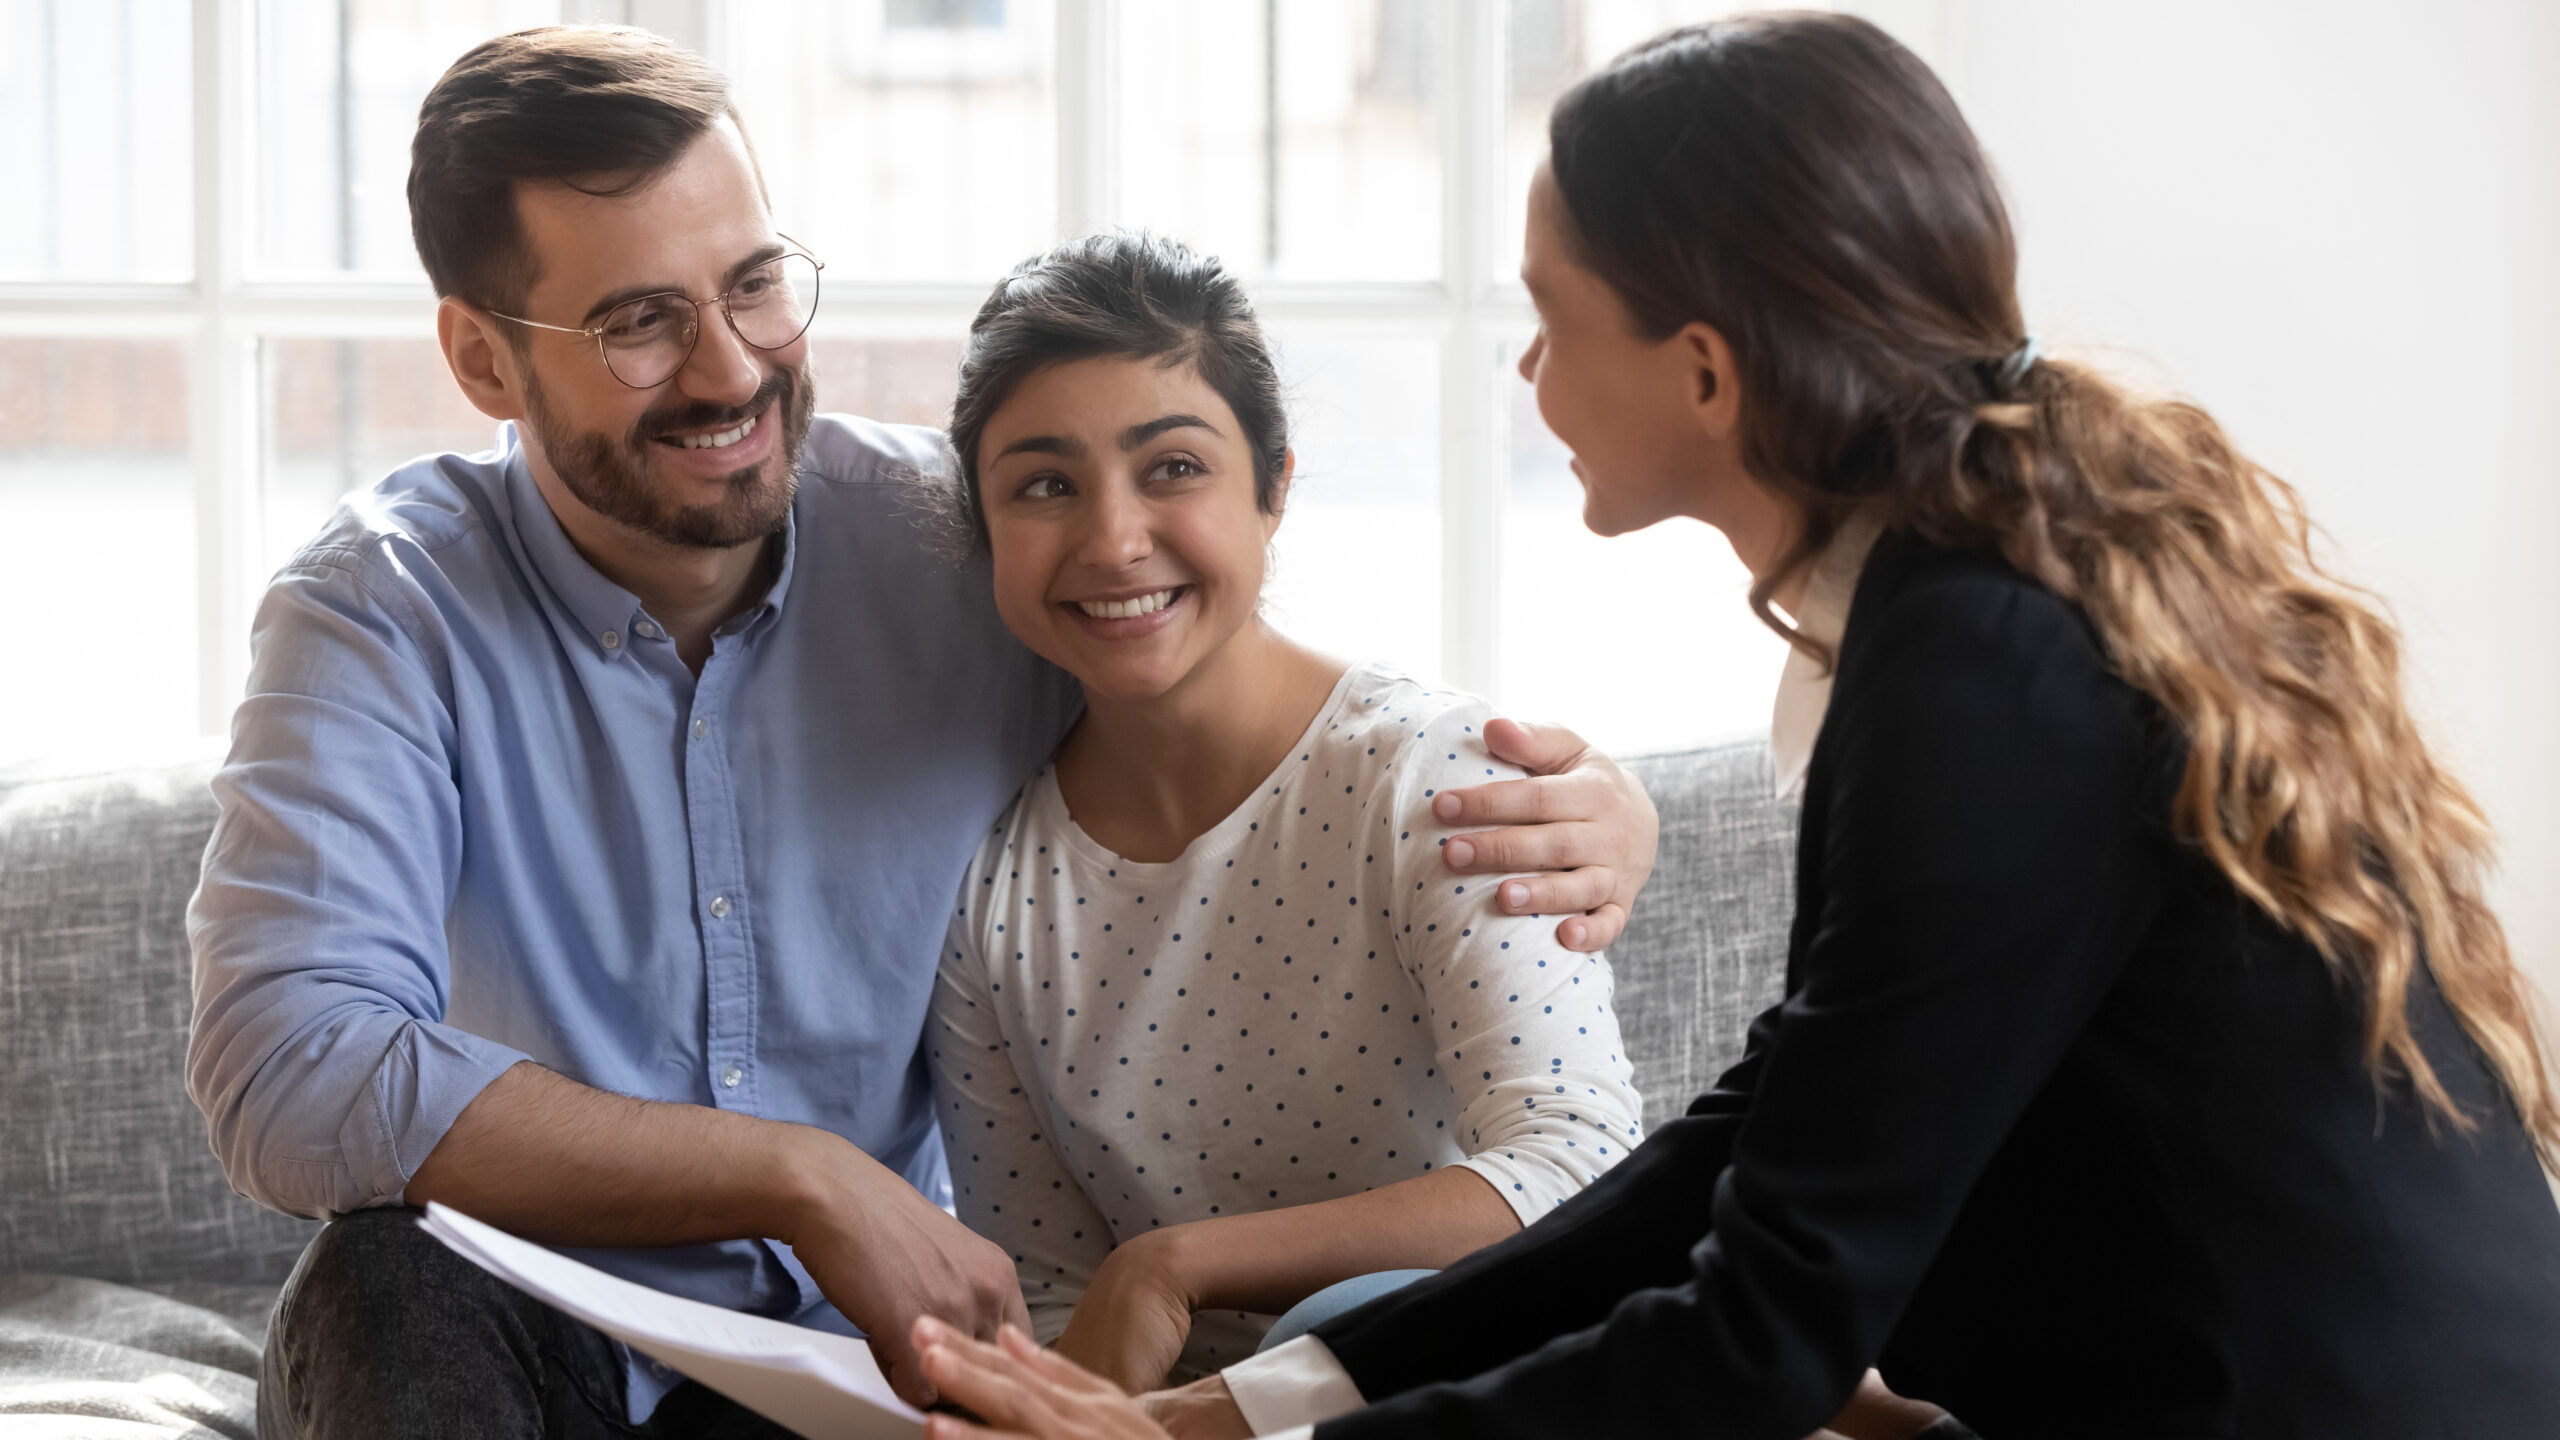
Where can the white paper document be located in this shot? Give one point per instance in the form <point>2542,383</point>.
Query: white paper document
<point>826,1387</point>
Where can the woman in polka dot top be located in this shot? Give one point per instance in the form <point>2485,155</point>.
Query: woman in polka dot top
<point>1214,1028</point>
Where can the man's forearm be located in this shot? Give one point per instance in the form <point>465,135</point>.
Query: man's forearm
<point>542,1156</point>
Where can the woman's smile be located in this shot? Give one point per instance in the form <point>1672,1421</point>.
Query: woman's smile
<point>1128,615</point>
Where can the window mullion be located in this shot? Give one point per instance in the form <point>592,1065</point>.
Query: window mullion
<point>1471,443</point>
<point>222,415</point>
<point>1087,116</point>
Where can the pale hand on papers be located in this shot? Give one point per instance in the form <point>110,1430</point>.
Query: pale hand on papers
<point>1023,1390</point>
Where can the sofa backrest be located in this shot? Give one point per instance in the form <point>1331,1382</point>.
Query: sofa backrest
<point>104,1167</point>
<point>1707,947</point>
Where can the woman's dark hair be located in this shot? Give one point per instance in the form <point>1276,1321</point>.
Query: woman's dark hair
<point>1133,295</point>
<point>1804,185</point>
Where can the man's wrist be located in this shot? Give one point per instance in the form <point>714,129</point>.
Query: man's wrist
<point>799,1185</point>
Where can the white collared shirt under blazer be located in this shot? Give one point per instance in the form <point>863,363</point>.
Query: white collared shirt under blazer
<point>1304,1005</point>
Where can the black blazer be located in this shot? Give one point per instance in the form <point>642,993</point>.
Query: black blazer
<point>2052,1127</point>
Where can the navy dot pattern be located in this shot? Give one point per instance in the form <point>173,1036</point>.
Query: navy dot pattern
<point>1306,1004</point>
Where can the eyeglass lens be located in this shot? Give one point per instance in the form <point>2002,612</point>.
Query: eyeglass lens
<point>646,341</point>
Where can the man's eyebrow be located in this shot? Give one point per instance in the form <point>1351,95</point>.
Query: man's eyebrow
<point>629,293</point>
<point>1064,447</point>
<point>1137,435</point>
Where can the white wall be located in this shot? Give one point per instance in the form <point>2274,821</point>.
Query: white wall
<point>2337,224</point>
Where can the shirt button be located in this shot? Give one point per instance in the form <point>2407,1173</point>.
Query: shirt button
<point>701,728</point>
<point>719,907</point>
<point>611,639</point>
<point>647,630</point>
<point>730,1077</point>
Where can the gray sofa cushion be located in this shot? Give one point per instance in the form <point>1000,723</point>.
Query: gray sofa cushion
<point>86,1359</point>
<point>108,1174</point>
<point>1707,948</point>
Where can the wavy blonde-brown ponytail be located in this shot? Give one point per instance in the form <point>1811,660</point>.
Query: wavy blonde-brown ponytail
<point>2307,781</point>
<point>1805,185</point>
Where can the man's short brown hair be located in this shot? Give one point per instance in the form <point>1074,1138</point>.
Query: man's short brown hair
<point>602,109</point>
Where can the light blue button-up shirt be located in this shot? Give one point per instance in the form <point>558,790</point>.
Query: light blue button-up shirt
<point>477,811</point>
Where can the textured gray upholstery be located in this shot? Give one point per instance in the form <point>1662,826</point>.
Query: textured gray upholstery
<point>105,1173</point>
<point>1707,949</point>
<point>104,1169</point>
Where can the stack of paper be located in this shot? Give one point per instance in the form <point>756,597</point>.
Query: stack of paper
<point>826,1387</point>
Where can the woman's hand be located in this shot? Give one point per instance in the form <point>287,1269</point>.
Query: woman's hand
<point>1583,827</point>
<point>1202,1410</point>
<point>1022,1390</point>
<point>1134,1318</point>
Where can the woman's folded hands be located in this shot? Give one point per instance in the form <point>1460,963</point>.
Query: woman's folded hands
<point>1134,1317</point>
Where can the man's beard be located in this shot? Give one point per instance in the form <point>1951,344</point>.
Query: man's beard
<point>610,474</point>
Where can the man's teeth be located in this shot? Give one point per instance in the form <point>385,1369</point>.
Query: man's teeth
<point>719,439</point>
<point>1126,609</point>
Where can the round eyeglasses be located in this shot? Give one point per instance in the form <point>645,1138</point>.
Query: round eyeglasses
<point>645,341</point>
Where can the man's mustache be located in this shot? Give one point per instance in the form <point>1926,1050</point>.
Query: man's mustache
<point>695,415</point>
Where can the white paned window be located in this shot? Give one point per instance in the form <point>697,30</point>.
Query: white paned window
<point>212,323</point>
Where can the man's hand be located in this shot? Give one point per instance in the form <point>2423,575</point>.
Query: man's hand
<point>1583,826</point>
<point>888,1257</point>
<point>1133,1319</point>
<point>1023,1390</point>
<point>551,1160</point>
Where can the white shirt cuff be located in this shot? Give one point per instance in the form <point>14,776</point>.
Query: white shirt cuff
<point>1296,1383</point>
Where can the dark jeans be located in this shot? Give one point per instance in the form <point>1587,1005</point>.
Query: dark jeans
<point>383,1332</point>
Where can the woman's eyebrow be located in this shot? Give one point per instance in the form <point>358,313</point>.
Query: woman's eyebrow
<point>1064,447</point>
<point>1137,435</point>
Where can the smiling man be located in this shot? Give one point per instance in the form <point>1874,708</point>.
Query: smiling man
<point>598,802</point>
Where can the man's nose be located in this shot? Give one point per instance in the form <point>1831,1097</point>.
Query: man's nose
<point>723,369</point>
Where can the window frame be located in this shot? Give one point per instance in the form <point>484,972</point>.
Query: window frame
<point>226,310</point>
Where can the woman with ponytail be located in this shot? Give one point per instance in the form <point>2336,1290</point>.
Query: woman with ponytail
<point>2151,1064</point>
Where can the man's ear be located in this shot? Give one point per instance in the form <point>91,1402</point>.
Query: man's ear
<point>1280,494</point>
<point>482,361</point>
<point>1714,380</point>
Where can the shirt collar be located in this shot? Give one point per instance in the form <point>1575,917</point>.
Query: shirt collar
<point>1804,688</point>
<point>611,616</point>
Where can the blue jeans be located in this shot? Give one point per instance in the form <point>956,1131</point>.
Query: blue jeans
<point>1334,1300</point>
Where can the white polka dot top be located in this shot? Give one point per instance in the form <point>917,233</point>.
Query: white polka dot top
<point>1304,1005</point>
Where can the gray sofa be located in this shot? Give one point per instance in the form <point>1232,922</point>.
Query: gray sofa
<point>134,1285</point>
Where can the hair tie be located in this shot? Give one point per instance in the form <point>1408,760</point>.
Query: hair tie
<point>2014,369</point>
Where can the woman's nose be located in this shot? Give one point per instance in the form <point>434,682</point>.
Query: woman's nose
<point>1116,530</point>
<point>1529,357</point>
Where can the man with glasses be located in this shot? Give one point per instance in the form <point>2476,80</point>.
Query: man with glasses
<point>597,802</point>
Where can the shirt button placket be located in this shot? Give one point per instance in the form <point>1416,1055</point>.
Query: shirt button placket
<point>729,987</point>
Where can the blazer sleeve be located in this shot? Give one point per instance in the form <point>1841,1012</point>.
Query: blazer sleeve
<point>1984,877</point>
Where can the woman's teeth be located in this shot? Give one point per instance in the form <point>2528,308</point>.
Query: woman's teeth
<point>719,439</point>
<point>1127,609</point>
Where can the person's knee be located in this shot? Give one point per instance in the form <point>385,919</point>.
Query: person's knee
<point>374,1299</point>
<point>374,1275</point>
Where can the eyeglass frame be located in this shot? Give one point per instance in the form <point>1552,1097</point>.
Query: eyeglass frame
<point>596,332</point>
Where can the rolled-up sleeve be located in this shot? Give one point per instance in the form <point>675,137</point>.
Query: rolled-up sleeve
<point>318,1055</point>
